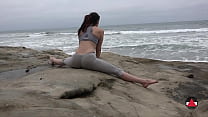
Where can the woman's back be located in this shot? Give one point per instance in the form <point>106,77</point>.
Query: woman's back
<point>89,40</point>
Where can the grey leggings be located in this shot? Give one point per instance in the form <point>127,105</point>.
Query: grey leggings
<point>89,61</point>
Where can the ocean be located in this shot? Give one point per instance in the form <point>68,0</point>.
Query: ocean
<point>173,41</point>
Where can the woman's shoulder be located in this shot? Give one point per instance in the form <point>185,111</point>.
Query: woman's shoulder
<point>97,29</point>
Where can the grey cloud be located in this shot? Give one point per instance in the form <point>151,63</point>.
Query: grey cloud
<point>34,14</point>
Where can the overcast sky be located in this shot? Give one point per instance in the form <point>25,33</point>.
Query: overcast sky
<point>45,14</point>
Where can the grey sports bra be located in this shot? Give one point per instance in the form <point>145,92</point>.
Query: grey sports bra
<point>88,36</point>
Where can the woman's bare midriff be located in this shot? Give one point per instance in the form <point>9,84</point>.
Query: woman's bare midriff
<point>86,47</point>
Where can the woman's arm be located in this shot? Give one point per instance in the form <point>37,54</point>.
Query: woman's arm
<point>99,45</point>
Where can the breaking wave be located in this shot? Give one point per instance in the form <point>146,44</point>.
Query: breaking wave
<point>157,31</point>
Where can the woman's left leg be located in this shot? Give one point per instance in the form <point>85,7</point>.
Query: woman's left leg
<point>55,61</point>
<point>73,61</point>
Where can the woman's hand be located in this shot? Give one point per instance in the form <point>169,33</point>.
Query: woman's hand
<point>99,44</point>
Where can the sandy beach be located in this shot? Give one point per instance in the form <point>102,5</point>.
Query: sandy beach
<point>31,87</point>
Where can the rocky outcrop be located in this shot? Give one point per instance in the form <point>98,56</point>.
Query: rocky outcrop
<point>64,92</point>
<point>21,57</point>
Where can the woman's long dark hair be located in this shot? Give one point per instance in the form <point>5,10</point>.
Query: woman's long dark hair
<point>89,20</point>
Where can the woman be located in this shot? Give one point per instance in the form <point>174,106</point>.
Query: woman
<point>89,50</point>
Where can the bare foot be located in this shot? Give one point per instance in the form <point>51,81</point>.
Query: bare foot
<point>51,61</point>
<point>149,82</point>
<point>51,58</point>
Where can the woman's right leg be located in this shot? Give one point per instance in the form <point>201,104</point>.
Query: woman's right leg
<point>144,82</point>
<point>94,63</point>
<point>106,67</point>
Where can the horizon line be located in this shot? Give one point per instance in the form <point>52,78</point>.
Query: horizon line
<point>64,28</point>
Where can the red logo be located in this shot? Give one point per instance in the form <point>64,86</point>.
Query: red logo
<point>191,102</point>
